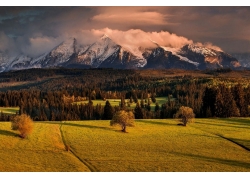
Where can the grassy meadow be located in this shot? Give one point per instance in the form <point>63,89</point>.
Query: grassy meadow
<point>9,110</point>
<point>208,145</point>
<point>116,102</point>
<point>43,151</point>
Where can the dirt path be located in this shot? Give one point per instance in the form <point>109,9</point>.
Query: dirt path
<point>67,148</point>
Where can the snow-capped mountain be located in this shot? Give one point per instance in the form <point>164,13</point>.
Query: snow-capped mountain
<point>190,56</point>
<point>105,53</point>
<point>209,58</point>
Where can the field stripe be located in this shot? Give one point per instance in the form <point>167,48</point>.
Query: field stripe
<point>244,147</point>
<point>223,137</point>
<point>84,161</point>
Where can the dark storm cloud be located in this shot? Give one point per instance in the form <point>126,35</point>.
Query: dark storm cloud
<point>223,26</point>
<point>28,29</point>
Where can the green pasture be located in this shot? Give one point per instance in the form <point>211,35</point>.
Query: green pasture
<point>208,145</point>
<point>116,102</point>
<point>9,110</point>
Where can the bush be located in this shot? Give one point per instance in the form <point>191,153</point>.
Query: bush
<point>23,124</point>
<point>185,115</point>
<point>124,119</point>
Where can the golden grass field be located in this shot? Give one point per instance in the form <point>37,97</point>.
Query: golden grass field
<point>43,151</point>
<point>208,145</point>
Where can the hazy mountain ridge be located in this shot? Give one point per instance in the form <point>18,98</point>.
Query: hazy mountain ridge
<point>105,53</point>
<point>243,58</point>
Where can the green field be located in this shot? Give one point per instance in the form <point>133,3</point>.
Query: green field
<point>9,110</point>
<point>116,102</point>
<point>208,145</point>
<point>43,151</point>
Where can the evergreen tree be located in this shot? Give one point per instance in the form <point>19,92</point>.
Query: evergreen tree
<point>123,103</point>
<point>108,111</point>
<point>225,105</point>
<point>157,107</point>
<point>239,97</point>
<point>153,98</point>
<point>208,102</point>
<point>148,107</point>
<point>131,99</point>
<point>219,104</point>
<point>142,103</point>
<point>138,111</point>
<point>230,106</point>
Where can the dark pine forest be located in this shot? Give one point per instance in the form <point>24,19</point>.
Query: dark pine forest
<point>50,94</point>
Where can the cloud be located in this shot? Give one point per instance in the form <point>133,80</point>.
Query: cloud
<point>226,27</point>
<point>209,45</point>
<point>137,37</point>
<point>39,45</point>
<point>134,38</point>
<point>139,18</point>
<point>7,44</point>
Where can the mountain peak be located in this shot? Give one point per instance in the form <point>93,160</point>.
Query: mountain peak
<point>107,53</point>
<point>105,36</point>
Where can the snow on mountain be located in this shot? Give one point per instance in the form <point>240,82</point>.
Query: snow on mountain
<point>107,53</point>
<point>175,52</point>
<point>96,53</point>
<point>201,50</point>
<point>20,62</point>
<point>58,55</point>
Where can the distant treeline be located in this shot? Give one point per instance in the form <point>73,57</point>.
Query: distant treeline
<point>52,92</point>
<point>206,101</point>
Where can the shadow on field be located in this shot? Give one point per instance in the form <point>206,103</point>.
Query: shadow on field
<point>238,121</point>
<point>87,126</point>
<point>157,123</point>
<point>244,143</point>
<point>8,133</point>
<point>226,125</point>
<point>216,160</point>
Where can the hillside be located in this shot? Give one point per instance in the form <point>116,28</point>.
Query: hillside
<point>44,151</point>
<point>208,145</point>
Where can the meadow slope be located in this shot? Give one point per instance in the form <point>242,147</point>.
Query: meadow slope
<point>161,145</point>
<point>43,151</point>
<point>208,145</point>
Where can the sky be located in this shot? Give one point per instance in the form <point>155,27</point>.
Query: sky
<point>36,29</point>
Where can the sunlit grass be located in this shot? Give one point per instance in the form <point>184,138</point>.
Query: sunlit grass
<point>9,110</point>
<point>116,102</point>
<point>157,145</point>
<point>43,151</point>
<point>235,129</point>
<point>208,145</point>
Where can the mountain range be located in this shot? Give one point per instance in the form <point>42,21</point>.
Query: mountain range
<point>105,53</point>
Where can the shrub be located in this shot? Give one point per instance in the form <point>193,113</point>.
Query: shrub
<point>123,118</point>
<point>185,115</point>
<point>23,124</point>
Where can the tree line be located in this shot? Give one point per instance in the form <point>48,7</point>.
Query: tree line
<point>205,100</point>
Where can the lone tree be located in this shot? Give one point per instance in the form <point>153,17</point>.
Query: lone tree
<point>185,115</point>
<point>123,119</point>
<point>23,124</point>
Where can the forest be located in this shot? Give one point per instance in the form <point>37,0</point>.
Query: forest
<point>51,94</point>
